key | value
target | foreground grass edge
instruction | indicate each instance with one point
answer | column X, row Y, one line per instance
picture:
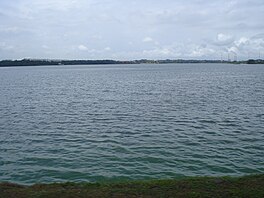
column 245, row 186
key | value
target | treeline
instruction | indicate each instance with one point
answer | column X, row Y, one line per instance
column 36, row 62
column 258, row 61
column 39, row 62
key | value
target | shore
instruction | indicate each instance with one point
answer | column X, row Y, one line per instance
column 57, row 62
column 246, row 186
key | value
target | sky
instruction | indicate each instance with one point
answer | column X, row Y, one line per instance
column 131, row 29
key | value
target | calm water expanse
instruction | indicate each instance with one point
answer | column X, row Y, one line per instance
column 111, row 122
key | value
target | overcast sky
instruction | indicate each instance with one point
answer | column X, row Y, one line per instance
column 131, row 29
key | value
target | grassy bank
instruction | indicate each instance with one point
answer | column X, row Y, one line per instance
column 247, row 186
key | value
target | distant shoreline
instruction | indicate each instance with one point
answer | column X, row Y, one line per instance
column 245, row 186
column 47, row 62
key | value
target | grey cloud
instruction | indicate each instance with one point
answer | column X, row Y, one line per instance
column 178, row 29
column 258, row 36
column 222, row 40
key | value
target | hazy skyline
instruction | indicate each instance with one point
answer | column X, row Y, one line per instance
column 134, row 29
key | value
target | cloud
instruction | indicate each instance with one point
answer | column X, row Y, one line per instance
column 241, row 42
column 138, row 29
column 45, row 47
column 82, row 48
column 147, row 39
column 180, row 50
column 9, row 29
column 222, row 40
column 107, row 48
column 223, row 37
column 6, row 47
column 159, row 52
column 201, row 51
column 233, row 49
column 258, row 36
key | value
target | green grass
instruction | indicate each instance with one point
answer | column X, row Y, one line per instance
column 246, row 186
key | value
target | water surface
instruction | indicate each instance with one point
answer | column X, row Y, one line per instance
column 111, row 122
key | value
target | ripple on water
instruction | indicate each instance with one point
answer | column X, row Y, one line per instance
column 87, row 123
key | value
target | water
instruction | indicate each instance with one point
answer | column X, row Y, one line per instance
column 112, row 122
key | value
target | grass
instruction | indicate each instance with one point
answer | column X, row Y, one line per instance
column 246, row 186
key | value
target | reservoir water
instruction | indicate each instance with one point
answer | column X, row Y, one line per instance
column 114, row 122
